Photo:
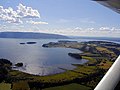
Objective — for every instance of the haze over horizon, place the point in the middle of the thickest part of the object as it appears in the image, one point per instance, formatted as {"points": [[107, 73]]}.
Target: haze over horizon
{"points": [[65, 17]]}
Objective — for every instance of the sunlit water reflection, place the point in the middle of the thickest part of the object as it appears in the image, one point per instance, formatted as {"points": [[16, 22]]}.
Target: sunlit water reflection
{"points": [[36, 59]]}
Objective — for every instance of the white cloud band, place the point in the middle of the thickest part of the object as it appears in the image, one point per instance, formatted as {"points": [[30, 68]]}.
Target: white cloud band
{"points": [[34, 22]]}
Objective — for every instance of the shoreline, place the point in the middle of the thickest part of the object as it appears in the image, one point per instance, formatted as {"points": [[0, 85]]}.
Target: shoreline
{"points": [[72, 66]]}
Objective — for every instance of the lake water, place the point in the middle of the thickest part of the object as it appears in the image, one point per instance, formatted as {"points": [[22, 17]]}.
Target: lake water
{"points": [[36, 59]]}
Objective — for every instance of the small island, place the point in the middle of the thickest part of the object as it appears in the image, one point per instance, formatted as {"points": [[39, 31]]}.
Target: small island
{"points": [[31, 42], [75, 55], [19, 64], [22, 43]]}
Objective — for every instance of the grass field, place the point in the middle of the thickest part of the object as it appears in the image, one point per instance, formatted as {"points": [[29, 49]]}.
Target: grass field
{"points": [[106, 65], [5, 86], [72, 86], [22, 85]]}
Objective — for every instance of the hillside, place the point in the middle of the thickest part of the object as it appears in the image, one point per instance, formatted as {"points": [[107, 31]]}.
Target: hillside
{"points": [[31, 35]]}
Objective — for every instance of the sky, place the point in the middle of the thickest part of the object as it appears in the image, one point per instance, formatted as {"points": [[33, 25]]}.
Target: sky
{"points": [[65, 17]]}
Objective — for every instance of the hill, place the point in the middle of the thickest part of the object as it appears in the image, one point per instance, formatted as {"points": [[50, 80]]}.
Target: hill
{"points": [[31, 35]]}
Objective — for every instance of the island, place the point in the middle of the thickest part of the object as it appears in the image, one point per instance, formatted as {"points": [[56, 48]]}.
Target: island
{"points": [[100, 56], [31, 42], [19, 64], [22, 43], [75, 55]]}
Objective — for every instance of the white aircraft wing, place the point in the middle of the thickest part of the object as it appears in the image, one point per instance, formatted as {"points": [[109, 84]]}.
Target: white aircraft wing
{"points": [[112, 77]]}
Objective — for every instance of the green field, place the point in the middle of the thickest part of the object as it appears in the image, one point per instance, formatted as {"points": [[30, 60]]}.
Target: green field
{"points": [[72, 86], [5, 86]]}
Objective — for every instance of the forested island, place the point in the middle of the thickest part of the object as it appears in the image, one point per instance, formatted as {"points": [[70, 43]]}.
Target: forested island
{"points": [[100, 56], [28, 43]]}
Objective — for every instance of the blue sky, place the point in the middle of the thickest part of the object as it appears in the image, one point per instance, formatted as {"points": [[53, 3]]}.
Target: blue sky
{"points": [[66, 17]]}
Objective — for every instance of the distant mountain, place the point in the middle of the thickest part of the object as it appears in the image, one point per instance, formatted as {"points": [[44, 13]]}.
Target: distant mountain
{"points": [[31, 35]]}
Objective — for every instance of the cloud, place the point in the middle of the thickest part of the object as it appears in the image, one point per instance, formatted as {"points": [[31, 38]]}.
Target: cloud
{"points": [[34, 22], [90, 29], [27, 12], [11, 16], [109, 29], [78, 28], [104, 28]]}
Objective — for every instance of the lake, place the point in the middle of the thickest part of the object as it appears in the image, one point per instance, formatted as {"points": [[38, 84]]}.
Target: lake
{"points": [[36, 59]]}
